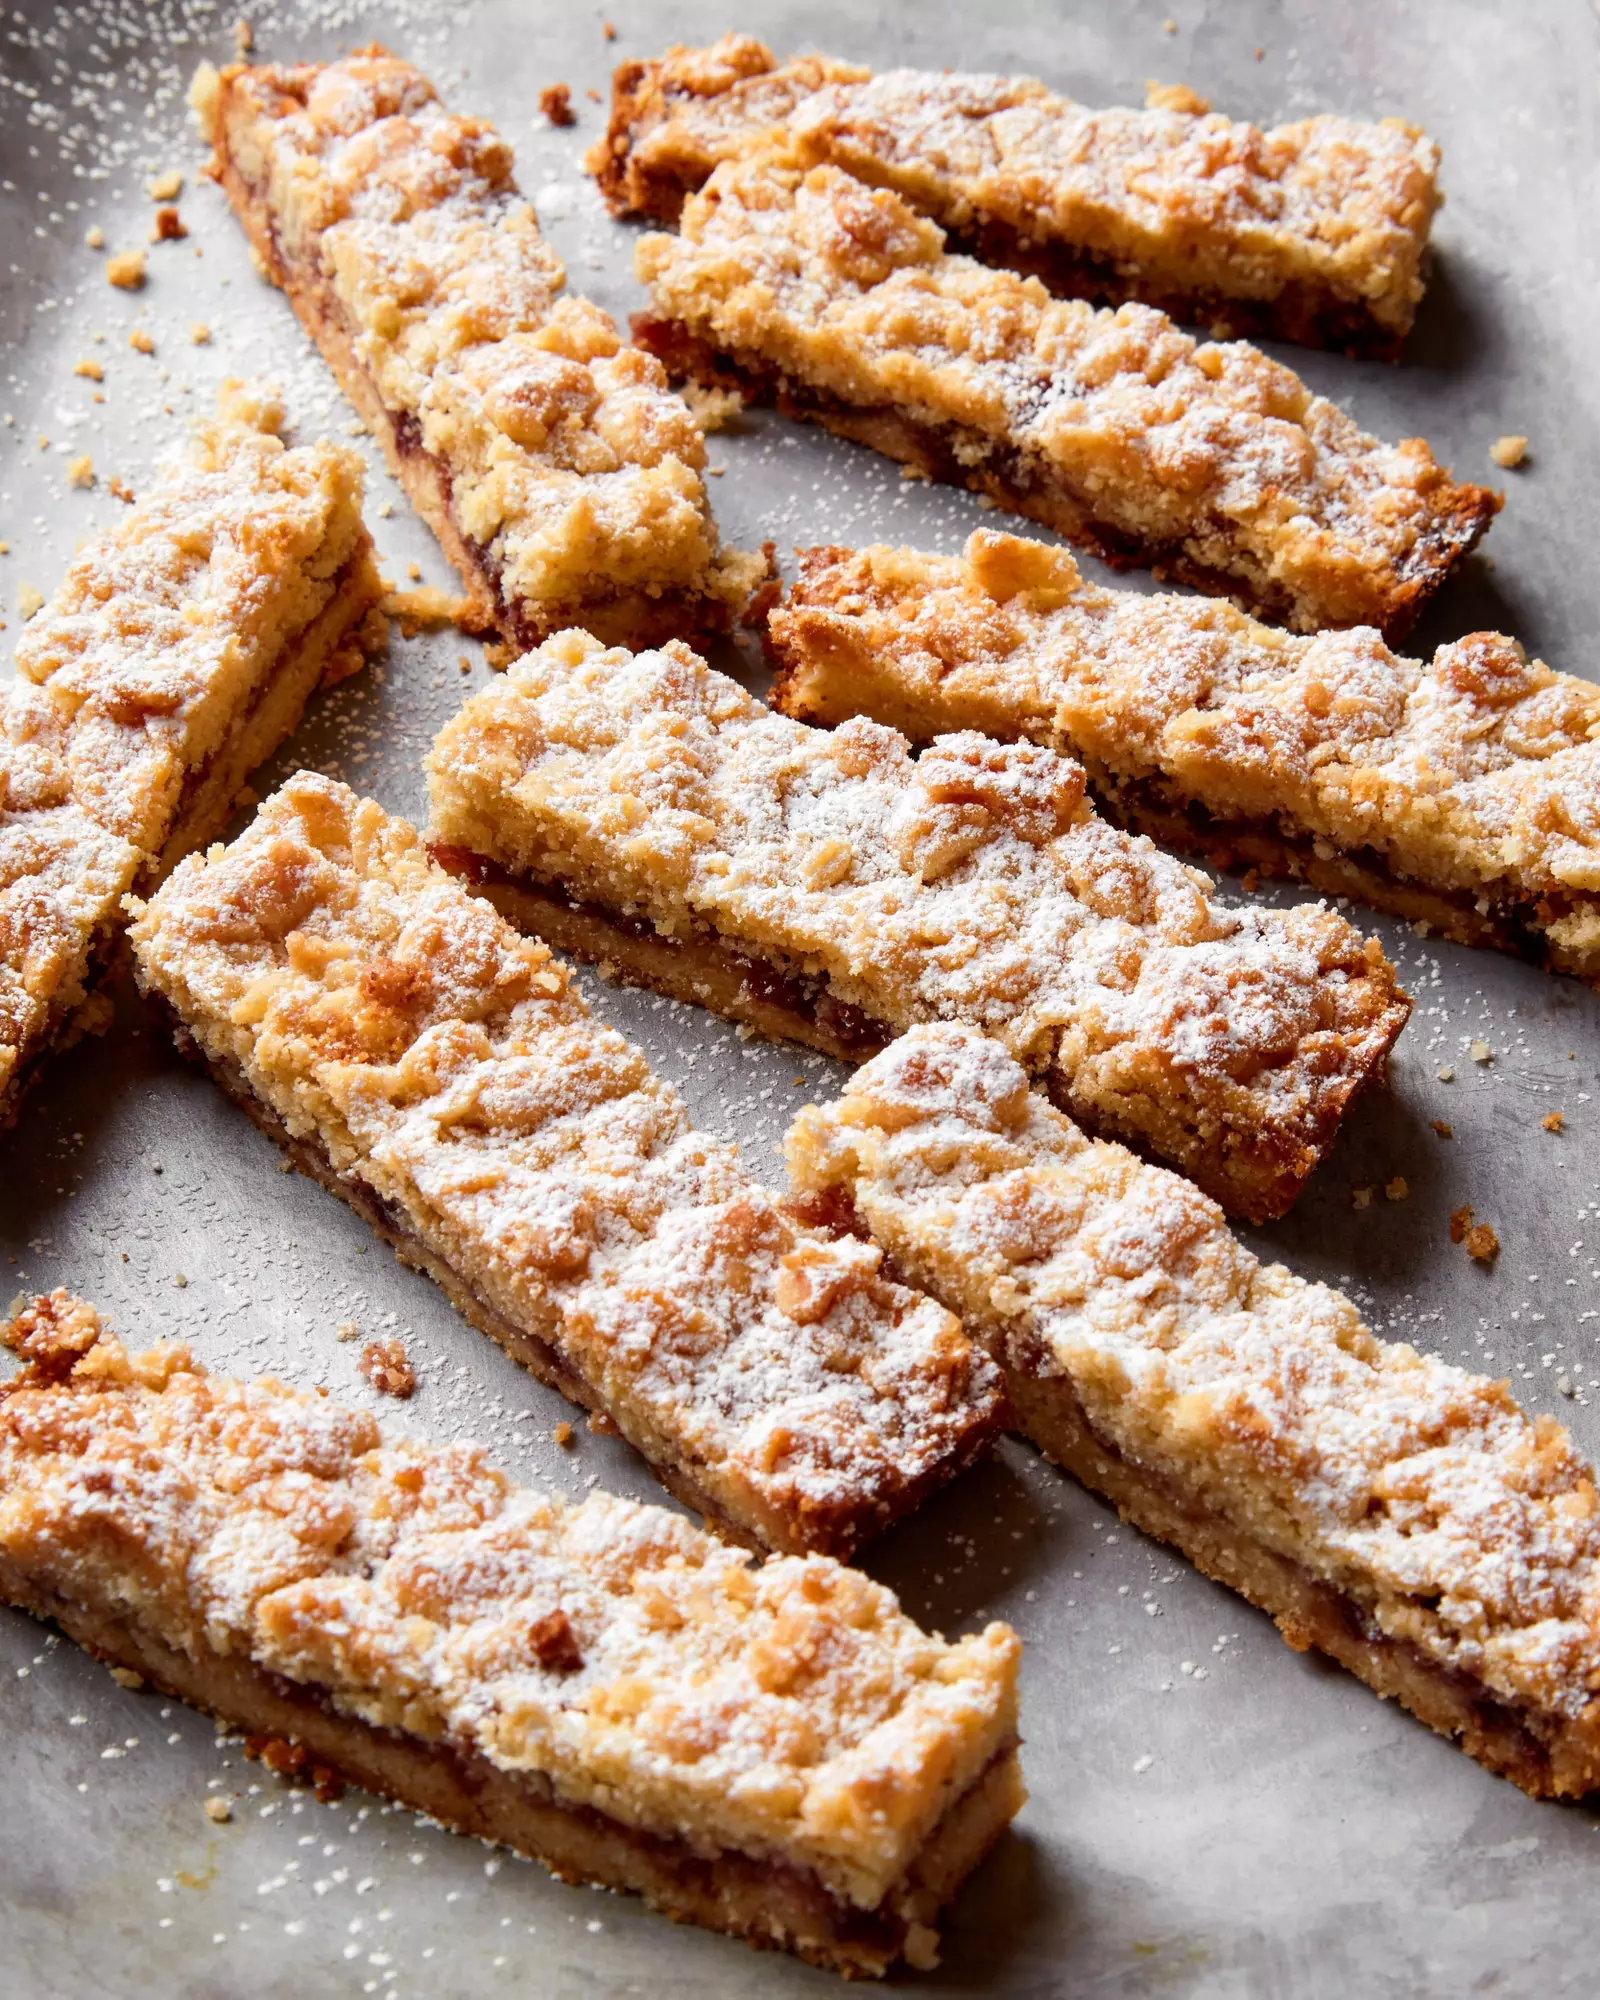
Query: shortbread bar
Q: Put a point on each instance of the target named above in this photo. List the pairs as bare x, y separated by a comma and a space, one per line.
644, 811
443, 1076
1395, 1512
1210, 464
773, 1750
561, 474
1460, 792
177, 655
1313, 231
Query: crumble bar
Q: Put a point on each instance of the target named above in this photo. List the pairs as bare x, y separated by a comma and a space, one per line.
560, 472
772, 1749
1313, 231
645, 811
1461, 791
177, 655
1211, 464
441, 1074
1397, 1513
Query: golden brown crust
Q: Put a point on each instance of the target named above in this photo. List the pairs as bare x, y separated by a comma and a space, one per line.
1209, 463
974, 884
176, 656
1397, 1512
1313, 231
1462, 791
601, 1684
443, 1073
562, 475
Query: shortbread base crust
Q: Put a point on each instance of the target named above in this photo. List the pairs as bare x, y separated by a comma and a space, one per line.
632, 619
1023, 483
767, 1902
699, 971
836, 1530
1528, 1748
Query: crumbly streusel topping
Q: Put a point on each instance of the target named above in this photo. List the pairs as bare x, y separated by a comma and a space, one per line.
1173, 193
1478, 770
395, 1019
1470, 1529
788, 1709
974, 883
570, 459
1209, 448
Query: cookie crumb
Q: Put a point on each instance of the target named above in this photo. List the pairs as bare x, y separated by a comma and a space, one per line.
217, 1810
94, 237
608, 30
1398, 1189
1443, 1130
126, 270
713, 409
29, 600
165, 187
1361, 1197
200, 333
347, 1330
1482, 1243
1460, 1223
169, 227
1553, 1121
93, 371
1445, 1073
1509, 451
562, 1433
244, 36
555, 101
1481, 1052
126, 1677
119, 489
602, 1425
80, 472
385, 1366
140, 341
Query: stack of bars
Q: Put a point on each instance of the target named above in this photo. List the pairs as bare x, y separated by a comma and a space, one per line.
1075, 1057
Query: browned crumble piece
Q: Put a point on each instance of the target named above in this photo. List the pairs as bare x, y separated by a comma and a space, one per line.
199, 333
119, 489
217, 1810
1361, 1197
1443, 1130
80, 472
1398, 1189
1509, 451
169, 226
603, 1425
1460, 1223
1482, 1243
93, 370
126, 270
383, 1362
608, 29
555, 101
1553, 1121
562, 1433
165, 187
141, 342
126, 1677
244, 37
554, 1644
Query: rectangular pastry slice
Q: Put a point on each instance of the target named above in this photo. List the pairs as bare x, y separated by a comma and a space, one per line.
1462, 791
176, 656
772, 1749
1401, 1515
1312, 231
561, 474
646, 812
442, 1074
1210, 464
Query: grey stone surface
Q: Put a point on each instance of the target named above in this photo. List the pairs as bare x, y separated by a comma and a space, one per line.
1211, 1814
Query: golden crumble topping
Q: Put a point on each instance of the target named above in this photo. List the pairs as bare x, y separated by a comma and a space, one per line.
1313, 230
974, 884
564, 472
1476, 774
449, 1066
1462, 1528
1209, 462
642, 1669
172, 659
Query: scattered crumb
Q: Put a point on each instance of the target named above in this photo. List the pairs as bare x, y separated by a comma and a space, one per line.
1481, 1242
1565, 1385
1444, 1131
244, 37
126, 1677
430, 606
608, 31
1481, 1052
1176, 97
200, 333
165, 187
414, 572
1169, 27
1398, 1189
562, 1433
1553, 1121
1460, 1223
218, 1811
464, 664
180, 1282
1361, 1197
169, 227
140, 341
126, 270
119, 489
29, 600
94, 371
602, 1425
81, 471
594, 96
555, 101
713, 409
385, 1366
1250, 882
1445, 1073
95, 237
1509, 451
347, 1330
